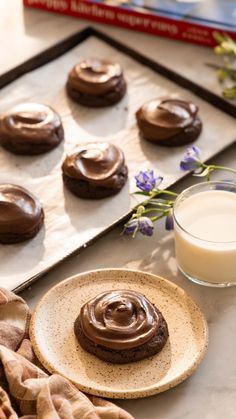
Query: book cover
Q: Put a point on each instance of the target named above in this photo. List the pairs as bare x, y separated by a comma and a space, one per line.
188, 20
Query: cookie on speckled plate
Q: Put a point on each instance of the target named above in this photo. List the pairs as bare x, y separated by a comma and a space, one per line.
121, 326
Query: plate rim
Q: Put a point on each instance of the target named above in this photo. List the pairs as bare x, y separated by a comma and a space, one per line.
121, 394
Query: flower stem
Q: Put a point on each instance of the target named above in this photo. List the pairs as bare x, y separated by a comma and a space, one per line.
162, 192
161, 204
227, 169
158, 217
169, 193
154, 210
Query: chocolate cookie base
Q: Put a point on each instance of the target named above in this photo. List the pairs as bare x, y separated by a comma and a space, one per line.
150, 348
186, 136
86, 190
97, 101
22, 146
13, 238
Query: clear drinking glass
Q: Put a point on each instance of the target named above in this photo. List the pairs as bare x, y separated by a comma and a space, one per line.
205, 233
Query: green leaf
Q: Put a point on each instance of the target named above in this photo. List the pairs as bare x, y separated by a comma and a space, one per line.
230, 92
219, 50
228, 48
233, 74
221, 74
226, 45
218, 37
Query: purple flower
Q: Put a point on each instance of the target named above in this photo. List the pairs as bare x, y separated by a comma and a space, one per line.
142, 224
146, 181
169, 224
131, 227
191, 159
145, 226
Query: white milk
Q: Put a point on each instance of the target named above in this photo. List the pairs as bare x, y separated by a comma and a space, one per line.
206, 250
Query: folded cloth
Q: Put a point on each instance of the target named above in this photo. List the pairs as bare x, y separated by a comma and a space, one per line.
26, 391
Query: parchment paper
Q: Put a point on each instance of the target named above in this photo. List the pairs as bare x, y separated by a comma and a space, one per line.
71, 222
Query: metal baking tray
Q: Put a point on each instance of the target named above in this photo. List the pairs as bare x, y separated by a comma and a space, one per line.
71, 224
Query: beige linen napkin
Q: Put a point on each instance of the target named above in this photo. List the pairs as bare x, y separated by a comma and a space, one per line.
26, 391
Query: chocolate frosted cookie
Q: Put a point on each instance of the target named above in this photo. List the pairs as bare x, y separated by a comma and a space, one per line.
121, 326
169, 122
96, 83
21, 214
95, 170
30, 128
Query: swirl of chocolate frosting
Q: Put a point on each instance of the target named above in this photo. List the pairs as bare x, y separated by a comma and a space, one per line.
95, 76
165, 117
20, 211
98, 163
119, 319
33, 122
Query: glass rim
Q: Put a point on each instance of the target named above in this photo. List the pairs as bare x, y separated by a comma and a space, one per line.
211, 182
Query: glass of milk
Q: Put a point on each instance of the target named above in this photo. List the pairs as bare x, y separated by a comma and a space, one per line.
205, 233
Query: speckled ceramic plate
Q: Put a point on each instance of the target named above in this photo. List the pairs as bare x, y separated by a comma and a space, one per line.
51, 332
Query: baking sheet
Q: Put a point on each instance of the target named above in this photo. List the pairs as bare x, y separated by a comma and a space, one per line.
71, 222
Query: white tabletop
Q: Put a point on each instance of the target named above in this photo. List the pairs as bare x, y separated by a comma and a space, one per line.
211, 391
